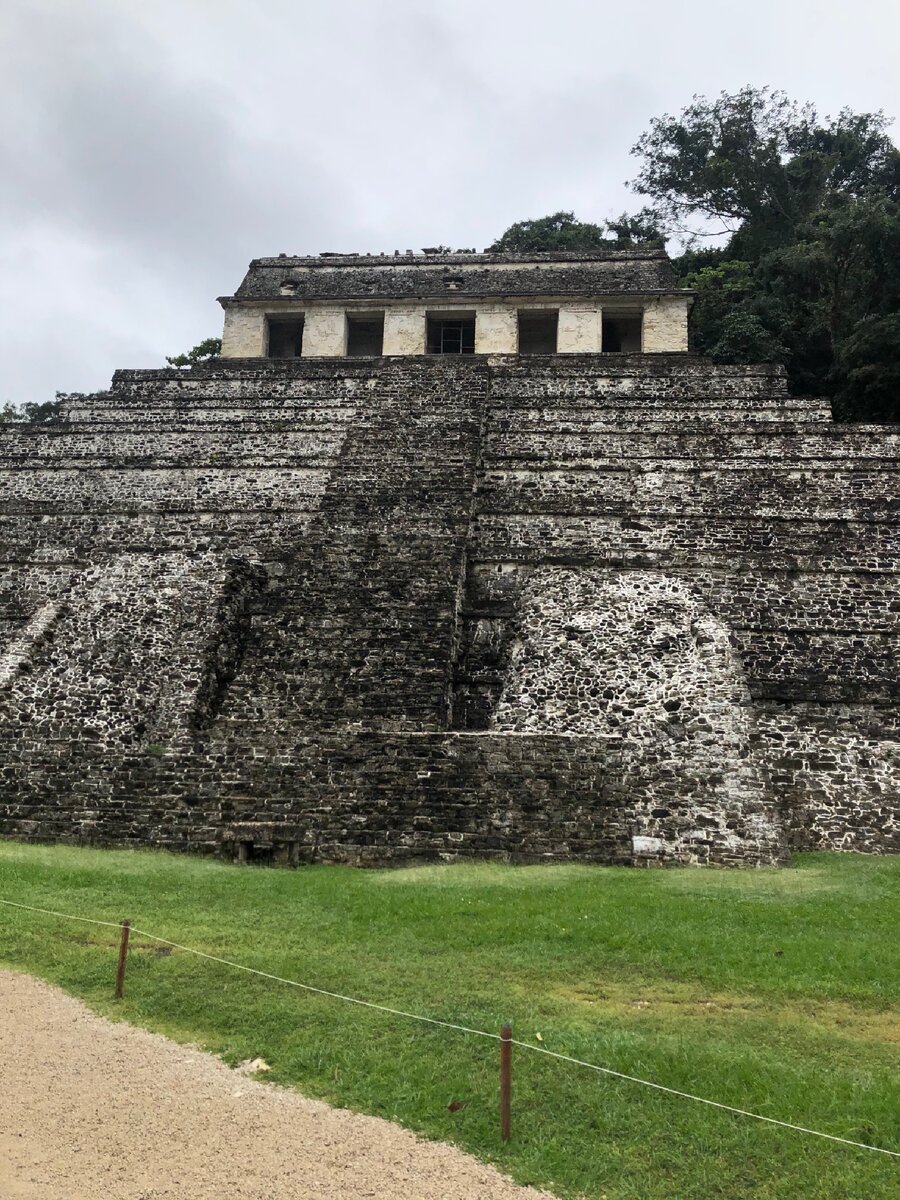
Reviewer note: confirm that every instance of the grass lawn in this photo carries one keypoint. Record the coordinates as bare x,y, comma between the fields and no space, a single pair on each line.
768,990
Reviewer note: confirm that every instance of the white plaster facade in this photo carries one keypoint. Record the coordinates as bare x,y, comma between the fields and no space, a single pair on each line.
324,332
666,324
404,329
579,329
496,329
244,333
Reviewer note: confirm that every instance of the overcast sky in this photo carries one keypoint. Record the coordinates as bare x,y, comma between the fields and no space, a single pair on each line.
151,148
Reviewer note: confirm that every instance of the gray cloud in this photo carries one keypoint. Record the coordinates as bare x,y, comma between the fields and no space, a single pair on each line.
150,150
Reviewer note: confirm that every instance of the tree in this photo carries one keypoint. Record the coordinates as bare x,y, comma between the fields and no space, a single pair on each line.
810,208
868,371
743,338
723,326
755,164
562,231
559,231
641,230
200,353
32,414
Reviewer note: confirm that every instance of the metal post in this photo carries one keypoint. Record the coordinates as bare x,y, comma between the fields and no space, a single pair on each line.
123,956
505,1080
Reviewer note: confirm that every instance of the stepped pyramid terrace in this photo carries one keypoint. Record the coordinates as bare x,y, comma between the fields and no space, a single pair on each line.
452,555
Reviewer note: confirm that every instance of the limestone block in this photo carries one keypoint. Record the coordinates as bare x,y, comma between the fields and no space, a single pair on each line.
325,333
666,325
404,330
496,330
244,333
579,330
643,846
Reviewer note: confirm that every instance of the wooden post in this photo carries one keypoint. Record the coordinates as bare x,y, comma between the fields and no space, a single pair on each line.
505,1081
123,956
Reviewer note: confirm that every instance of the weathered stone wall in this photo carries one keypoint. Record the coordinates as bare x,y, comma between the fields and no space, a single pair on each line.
784,524
382,277
635,655
369,798
580,329
497,329
137,650
244,332
325,332
361,621
836,768
323,290
665,324
276,602
404,330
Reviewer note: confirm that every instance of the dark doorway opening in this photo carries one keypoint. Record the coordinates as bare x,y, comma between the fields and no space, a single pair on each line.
622,335
451,335
537,332
365,336
285,336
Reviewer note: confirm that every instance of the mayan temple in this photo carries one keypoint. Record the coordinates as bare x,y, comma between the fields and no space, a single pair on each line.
448,555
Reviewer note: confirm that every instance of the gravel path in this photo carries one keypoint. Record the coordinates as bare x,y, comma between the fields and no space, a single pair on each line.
91,1110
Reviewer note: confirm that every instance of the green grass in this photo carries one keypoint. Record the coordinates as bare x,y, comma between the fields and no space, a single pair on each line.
766,990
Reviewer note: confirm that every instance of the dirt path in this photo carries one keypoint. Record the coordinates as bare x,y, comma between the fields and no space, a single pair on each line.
90,1110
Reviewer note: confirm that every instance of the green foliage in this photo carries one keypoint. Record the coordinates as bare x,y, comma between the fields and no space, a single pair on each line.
727,326
771,990
32,414
640,230
810,273
744,339
868,370
757,162
721,286
200,353
561,231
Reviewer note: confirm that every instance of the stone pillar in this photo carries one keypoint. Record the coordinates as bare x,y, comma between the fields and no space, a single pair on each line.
244,333
325,333
666,324
496,329
404,330
580,329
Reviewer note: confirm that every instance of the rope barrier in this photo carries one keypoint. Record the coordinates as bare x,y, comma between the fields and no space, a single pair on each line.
661,1087
66,916
398,1012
